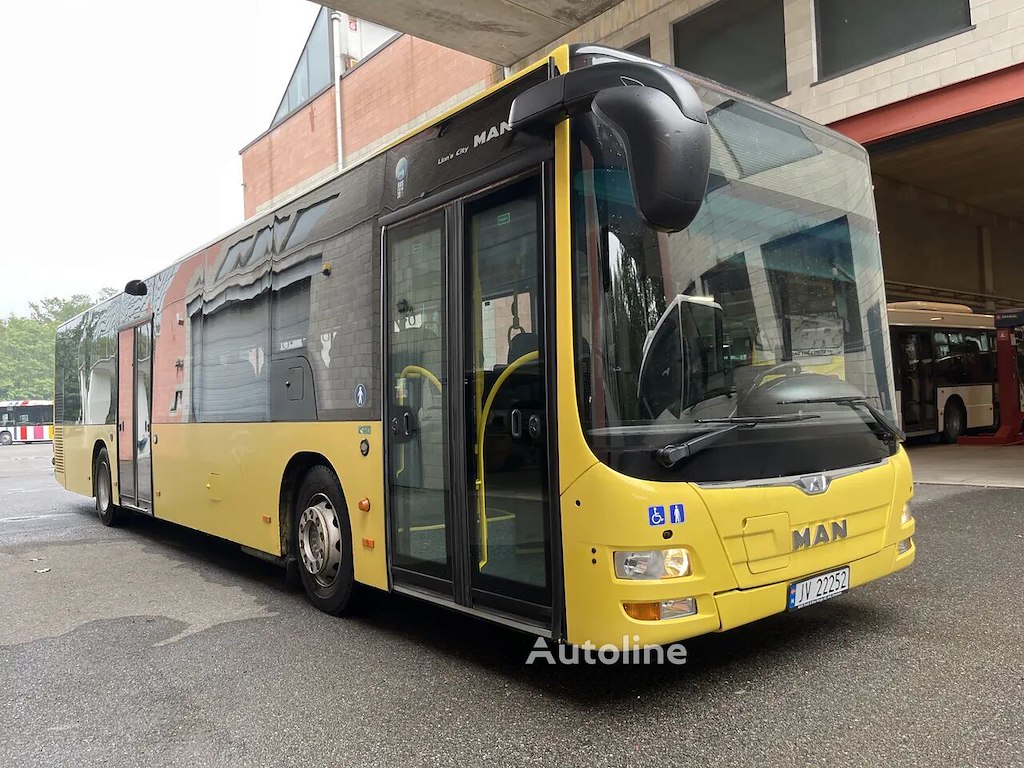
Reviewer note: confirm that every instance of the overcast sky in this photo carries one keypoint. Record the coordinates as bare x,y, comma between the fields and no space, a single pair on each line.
120,131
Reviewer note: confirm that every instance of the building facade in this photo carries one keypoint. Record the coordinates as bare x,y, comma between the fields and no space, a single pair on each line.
387,84
933,88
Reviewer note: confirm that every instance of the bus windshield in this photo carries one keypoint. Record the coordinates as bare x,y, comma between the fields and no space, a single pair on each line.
770,303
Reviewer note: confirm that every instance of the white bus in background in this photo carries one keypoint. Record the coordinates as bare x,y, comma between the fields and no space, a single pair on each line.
944,360
26,421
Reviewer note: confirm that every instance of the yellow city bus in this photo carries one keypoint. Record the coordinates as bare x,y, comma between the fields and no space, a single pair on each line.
507,365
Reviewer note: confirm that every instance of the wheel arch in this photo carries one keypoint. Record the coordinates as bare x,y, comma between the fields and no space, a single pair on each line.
295,470
98,446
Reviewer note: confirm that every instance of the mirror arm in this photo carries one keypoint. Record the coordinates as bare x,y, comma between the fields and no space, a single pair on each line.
539,108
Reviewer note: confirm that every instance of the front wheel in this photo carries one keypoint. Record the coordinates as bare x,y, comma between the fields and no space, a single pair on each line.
321,539
954,421
5,438
110,514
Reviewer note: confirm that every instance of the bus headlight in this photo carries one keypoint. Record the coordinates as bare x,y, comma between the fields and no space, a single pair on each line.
652,564
907,515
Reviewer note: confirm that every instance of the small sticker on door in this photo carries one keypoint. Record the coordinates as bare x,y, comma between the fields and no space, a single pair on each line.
360,395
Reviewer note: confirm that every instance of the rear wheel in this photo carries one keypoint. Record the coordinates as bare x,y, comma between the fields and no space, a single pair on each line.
954,421
110,514
5,438
322,542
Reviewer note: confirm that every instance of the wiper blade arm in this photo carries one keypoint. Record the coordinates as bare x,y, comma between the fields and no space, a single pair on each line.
752,421
854,403
671,454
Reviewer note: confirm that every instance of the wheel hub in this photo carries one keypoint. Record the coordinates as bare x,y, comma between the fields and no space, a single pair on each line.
103,488
320,540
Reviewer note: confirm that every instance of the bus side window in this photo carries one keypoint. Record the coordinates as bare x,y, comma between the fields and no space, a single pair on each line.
978,339
985,344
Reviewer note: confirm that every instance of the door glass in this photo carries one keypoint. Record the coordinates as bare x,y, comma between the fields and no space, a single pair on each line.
914,367
143,393
126,415
505,395
418,392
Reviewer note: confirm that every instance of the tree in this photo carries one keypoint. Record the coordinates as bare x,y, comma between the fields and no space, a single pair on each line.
55,310
27,345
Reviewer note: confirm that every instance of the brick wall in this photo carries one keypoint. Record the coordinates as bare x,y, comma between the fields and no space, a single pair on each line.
302,148
403,85
996,41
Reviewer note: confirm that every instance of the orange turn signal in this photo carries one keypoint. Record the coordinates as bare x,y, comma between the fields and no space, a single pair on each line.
364,505
643,611
368,543
266,519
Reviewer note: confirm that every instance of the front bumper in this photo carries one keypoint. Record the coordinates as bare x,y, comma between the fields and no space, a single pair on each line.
736,607
742,606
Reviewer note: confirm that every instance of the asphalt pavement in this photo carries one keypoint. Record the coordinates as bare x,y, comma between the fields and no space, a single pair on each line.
150,645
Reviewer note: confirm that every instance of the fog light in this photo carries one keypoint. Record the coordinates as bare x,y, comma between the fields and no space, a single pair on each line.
652,564
907,516
676,609
662,609
904,546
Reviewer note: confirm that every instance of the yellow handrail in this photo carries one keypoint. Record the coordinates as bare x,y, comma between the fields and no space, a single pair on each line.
419,371
408,372
481,512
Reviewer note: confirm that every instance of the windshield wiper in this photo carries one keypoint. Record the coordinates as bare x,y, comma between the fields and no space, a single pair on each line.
854,402
670,455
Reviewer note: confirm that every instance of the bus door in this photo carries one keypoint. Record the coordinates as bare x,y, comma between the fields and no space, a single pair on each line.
467,416
916,385
134,397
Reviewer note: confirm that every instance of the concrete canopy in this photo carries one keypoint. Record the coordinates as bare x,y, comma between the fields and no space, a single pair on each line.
501,31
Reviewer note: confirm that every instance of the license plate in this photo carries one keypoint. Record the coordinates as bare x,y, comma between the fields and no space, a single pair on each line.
818,588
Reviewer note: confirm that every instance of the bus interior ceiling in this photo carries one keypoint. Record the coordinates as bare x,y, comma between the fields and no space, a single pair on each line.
950,202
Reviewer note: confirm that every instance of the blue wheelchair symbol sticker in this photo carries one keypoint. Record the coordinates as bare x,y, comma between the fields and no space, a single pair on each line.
676,513
655,515
360,395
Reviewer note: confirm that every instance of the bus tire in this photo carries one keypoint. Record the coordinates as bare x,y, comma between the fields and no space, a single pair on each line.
5,438
321,540
102,487
954,422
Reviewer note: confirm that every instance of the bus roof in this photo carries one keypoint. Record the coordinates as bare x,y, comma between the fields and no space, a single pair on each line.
937,314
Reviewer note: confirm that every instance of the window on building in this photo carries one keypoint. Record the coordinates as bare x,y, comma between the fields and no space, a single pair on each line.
641,47
312,73
741,43
853,33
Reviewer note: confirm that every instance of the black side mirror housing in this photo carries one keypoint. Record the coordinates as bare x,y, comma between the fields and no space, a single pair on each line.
654,112
668,154
136,288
